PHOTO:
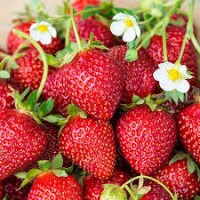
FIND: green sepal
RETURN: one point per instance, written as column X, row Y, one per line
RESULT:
column 45, row 108
column 4, row 198
column 57, row 162
column 131, row 55
column 4, row 74
column 52, row 61
column 3, row 62
column 31, row 101
column 197, row 198
column 59, row 172
column 190, row 165
column 74, row 110
column 131, row 45
column 69, row 169
column 175, row 96
column 55, row 119
column 21, row 175
column 138, row 100
column 178, row 156
column 44, row 165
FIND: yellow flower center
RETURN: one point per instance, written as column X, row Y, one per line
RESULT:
column 174, row 74
column 42, row 28
column 129, row 22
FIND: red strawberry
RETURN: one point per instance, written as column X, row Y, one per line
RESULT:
column 90, row 144
column 93, row 187
column 175, row 35
column 100, row 30
column 151, row 135
column 189, row 126
column 137, row 75
column 13, row 41
column 22, row 141
column 1, row 191
column 6, row 101
column 11, row 189
column 177, row 178
column 93, row 82
column 157, row 192
column 49, row 186
column 54, row 88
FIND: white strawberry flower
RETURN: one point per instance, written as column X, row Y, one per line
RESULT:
column 126, row 26
column 42, row 32
column 172, row 77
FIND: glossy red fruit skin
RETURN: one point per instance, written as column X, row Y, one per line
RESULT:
column 94, row 83
column 11, row 189
column 150, row 135
column 175, row 35
column 13, row 41
column 188, row 127
column 137, row 76
column 22, row 141
column 157, row 192
column 49, row 186
column 178, row 180
column 93, row 187
column 90, row 144
column 55, row 89
column 92, row 25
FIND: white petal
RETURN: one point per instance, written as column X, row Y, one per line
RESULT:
column 120, row 16
column 183, row 70
column 45, row 38
column 160, row 74
column 35, row 34
column 33, row 27
column 182, row 86
column 132, row 18
column 117, row 28
column 166, row 65
column 137, row 30
column 52, row 31
column 167, row 85
column 129, row 35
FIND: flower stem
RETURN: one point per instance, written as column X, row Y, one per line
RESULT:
column 67, row 34
column 3, row 55
column 43, row 57
column 164, row 41
column 185, row 40
column 133, row 196
column 149, row 178
column 75, row 30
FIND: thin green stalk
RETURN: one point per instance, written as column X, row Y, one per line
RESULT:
column 195, row 42
column 146, row 21
column 67, row 34
column 185, row 40
column 133, row 196
column 3, row 55
column 43, row 57
column 75, row 30
column 149, row 178
column 164, row 41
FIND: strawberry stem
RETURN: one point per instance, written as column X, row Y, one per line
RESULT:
column 124, row 186
column 164, row 40
column 43, row 57
column 3, row 55
column 67, row 34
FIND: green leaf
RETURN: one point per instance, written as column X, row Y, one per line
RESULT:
column 31, row 100
column 60, row 173
column 53, row 118
column 46, row 107
column 51, row 60
column 4, row 74
column 190, row 165
column 3, row 62
column 25, row 92
column 21, row 175
column 131, row 55
column 44, row 165
column 57, row 162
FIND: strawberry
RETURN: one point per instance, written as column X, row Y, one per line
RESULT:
column 188, row 126
column 175, row 35
column 13, row 41
column 177, row 178
column 100, row 30
column 93, row 82
column 138, row 130
column 137, row 75
column 90, row 143
column 6, row 100
column 22, row 141
column 11, row 189
column 93, row 187
column 157, row 192
column 49, row 186
column 54, row 88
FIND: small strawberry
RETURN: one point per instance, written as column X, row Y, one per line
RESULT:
column 50, row 186
column 137, row 75
column 11, row 189
column 13, row 41
column 175, row 35
column 189, row 125
column 180, row 177
column 93, row 187
column 100, row 30
column 151, row 135
column 22, row 141
column 90, row 144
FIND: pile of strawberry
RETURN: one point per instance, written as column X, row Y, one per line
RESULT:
column 93, row 123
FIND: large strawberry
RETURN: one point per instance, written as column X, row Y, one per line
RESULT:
column 90, row 143
column 93, row 81
column 13, row 41
column 50, row 186
column 22, row 141
column 146, row 138
column 100, row 30
column 175, row 35
column 179, row 180
column 93, row 187
column 137, row 75
column 189, row 126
